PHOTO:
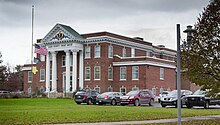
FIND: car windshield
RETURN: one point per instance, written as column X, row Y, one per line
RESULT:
column 199, row 92
column 132, row 93
column 165, row 93
column 173, row 93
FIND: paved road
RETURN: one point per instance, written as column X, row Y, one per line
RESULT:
column 149, row 121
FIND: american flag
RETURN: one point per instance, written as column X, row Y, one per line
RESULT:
column 40, row 50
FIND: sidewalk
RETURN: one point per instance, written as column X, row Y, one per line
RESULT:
column 148, row 121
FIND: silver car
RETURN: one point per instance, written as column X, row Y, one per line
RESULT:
column 109, row 98
column 171, row 98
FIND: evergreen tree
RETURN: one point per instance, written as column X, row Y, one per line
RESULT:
column 203, row 56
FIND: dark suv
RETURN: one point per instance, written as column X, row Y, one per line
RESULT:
column 200, row 98
column 86, row 96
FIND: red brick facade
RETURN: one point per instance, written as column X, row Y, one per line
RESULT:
column 149, row 65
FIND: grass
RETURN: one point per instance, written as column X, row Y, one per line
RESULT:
column 51, row 111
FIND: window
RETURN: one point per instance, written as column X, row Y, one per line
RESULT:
column 122, row 73
column 87, row 73
column 161, row 73
column 97, row 73
column 87, row 52
column 110, row 51
column 154, row 91
column 135, row 72
column 124, row 52
column 63, row 60
column 110, row 89
column 42, row 75
column 97, row 51
column 110, row 73
column 161, row 90
column 30, row 76
column 123, row 90
column 42, row 58
column 42, row 90
column 132, row 52
column 135, row 88
column 97, row 89
column 29, row 91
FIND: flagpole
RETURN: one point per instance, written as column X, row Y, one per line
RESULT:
column 32, row 40
column 32, row 34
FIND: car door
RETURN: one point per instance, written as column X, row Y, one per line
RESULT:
column 147, row 97
column 142, row 97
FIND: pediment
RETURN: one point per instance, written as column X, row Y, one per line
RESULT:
column 61, row 32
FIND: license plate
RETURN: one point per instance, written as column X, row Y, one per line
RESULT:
column 193, row 98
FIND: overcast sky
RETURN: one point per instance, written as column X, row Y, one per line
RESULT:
column 154, row 20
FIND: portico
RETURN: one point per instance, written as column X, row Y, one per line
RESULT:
column 62, row 40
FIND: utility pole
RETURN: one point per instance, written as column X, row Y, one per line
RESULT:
column 178, row 75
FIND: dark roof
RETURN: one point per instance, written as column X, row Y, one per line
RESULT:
column 70, row 30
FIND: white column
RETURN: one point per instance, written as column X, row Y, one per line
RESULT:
column 67, row 70
column 81, row 65
column 48, row 72
column 74, row 70
column 54, row 72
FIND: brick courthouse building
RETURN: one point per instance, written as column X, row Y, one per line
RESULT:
column 102, row 61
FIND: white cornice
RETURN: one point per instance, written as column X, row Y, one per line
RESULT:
column 138, row 57
column 130, row 63
column 26, row 68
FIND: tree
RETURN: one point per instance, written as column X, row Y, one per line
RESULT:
column 3, row 71
column 203, row 56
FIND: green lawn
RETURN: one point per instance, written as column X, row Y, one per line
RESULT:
column 46, row 111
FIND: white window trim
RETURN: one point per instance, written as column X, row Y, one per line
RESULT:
column 41, row 74
column 89, row 74
column 99, row 73
column 89, row 52
column 123, row 88
column 112, row 73
column 98, row 88
column 95, row 56
column 111, row 88
column 133, row 72
column 29, row 76
column 110, row 52
column 162, row 71
column 63, row 56
column 125, row 73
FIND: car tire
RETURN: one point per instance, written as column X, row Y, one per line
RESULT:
column 89, row 101
column 122, row 104
column 188, row 106
column 206, row 106
column 113, row 102
column 163, row 105
column 150, row 103
column 136, row 102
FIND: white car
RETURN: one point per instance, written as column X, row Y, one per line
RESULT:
column 162, row 94
column 171, row 98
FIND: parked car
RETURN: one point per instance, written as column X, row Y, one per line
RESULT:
column 171, row 98
column 137, row 97
column 200, row 98
column 162, row 94
column 86, row 96
column 109, row 97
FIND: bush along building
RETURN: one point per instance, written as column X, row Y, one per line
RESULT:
column 102, row 61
